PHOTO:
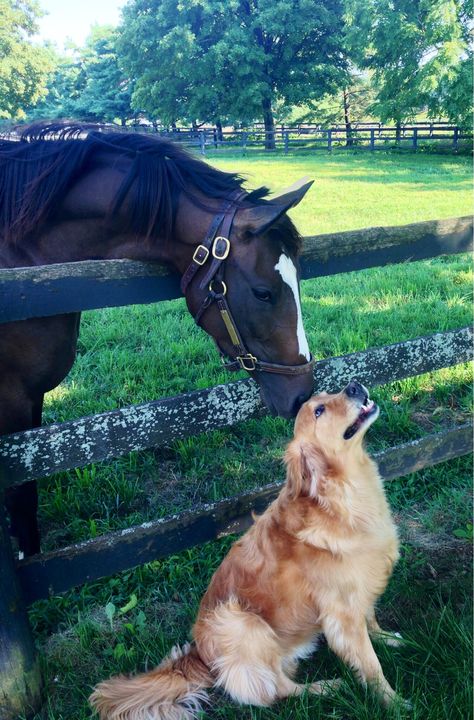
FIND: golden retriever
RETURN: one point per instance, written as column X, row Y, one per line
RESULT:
column 315, row 562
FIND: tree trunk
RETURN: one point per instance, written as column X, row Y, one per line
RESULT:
column 269, row 124
column 398, row 132
column 220, row 135
column 347, row 118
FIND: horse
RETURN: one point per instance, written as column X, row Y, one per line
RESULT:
column 72, row 192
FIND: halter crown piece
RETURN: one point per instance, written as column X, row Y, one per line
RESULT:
column 216, row 248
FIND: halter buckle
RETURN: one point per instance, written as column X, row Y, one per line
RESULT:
column 221, row 248
column 247, row 362
column 200, row 255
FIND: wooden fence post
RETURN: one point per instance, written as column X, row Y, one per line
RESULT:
column 286, row 137
column 20, row 679
column 455, row 138
column 415, row 138
column 372, row 139
column 329, row 140
column 202, row 142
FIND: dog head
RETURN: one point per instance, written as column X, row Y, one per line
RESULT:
column 328, row 430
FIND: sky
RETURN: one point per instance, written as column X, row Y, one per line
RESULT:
column 73, row 19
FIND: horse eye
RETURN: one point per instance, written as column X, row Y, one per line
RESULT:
column 261, row 294
column 319, row 410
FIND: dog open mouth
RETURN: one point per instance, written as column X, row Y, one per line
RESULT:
column 367, row 409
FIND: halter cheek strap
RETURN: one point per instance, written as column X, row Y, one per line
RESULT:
column 216, row 248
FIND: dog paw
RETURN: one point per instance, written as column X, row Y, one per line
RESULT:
column 393, row 639
column 404, row 704
column 325, row 687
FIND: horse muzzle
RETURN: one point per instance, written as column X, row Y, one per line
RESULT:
column 285, row 394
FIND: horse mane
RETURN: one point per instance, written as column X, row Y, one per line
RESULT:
column 39, row 164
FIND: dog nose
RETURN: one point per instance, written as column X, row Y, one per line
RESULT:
column 355, row 390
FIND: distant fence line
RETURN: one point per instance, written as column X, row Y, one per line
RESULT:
column 367, row 136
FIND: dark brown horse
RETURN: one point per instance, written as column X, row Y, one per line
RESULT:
column 70, row 193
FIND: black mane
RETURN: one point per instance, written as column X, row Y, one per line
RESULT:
column 40, row 165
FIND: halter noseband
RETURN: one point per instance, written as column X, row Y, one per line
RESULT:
column 216, row 248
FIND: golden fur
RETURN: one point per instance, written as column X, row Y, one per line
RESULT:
column 315, row 562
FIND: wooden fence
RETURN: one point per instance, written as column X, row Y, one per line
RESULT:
column 365, row 136
column 48, row 290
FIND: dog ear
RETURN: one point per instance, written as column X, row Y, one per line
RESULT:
column 305, row 468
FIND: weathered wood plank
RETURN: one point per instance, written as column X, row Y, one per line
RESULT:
column 60, row 570
column 36, row 453
column 378, row 246
column 69, row 287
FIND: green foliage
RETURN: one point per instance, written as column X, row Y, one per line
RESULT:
column 419, row 52
column 24, row 67
column 89, row 85
column 217, row 60
column 106, row 92
column 348, row 104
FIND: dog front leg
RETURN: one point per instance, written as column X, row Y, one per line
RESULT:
column 348, row 637
column 393, row 639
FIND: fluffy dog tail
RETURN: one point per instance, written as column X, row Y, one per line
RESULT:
column 172, row 691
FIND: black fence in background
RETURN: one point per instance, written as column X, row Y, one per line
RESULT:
column 310, row 136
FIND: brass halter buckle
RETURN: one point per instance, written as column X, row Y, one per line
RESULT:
column 247, row 362
column 200, row 255
column 221, row 248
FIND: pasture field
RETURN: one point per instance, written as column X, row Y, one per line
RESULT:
column 135, row 354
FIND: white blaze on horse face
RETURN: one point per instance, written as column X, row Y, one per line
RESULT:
column 287, row 270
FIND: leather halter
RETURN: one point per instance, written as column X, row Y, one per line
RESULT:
column 216, row 248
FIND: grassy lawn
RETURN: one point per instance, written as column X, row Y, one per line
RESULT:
column 123, row 360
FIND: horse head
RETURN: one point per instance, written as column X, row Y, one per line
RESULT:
column 242, row 287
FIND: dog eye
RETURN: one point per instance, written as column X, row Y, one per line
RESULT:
column 319, row 410
column 262, row 294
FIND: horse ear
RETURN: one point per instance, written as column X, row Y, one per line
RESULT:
column 305, row 468
column 259, row 218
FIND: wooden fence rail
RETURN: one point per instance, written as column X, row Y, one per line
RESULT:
column 68, row 287
column 58, row 571
column 35, row 453
column 367, row 137
column 49, row 290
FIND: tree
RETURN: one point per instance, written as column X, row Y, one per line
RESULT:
column 347, row 105
column 24, row 67
column 416, row 48
column 89, row 85
column 106, row 92
column 212, row 59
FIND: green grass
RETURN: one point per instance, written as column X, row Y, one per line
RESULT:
column 352, row 190
column 123, row 360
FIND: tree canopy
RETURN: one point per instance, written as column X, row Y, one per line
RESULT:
column 419, row 52
column 231, row 60
column 24, row 66
column 240, row 61
column 89, row 84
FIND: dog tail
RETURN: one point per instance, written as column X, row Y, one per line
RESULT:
column 172, row 691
